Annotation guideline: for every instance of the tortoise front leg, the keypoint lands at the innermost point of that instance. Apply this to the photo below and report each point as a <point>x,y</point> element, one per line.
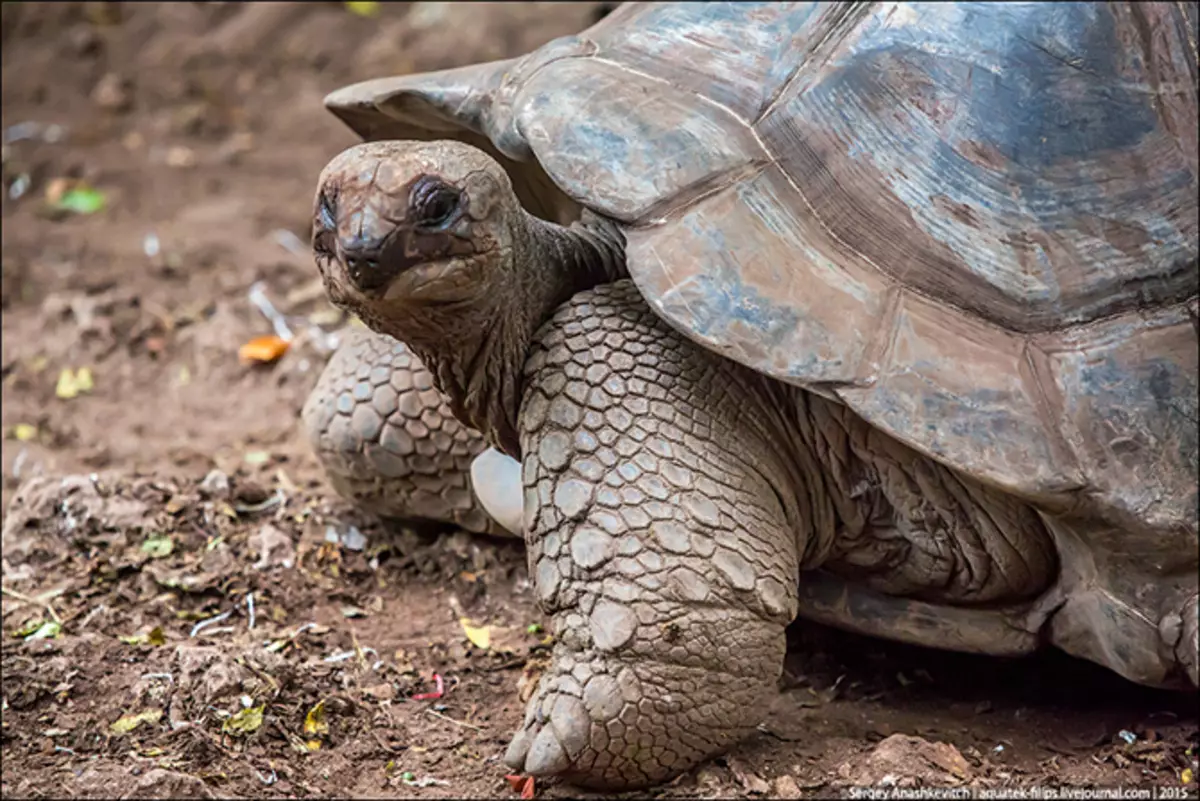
<point>658,542</point>
<point>387,440</point>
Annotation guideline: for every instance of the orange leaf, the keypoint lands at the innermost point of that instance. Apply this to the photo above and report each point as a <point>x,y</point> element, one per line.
<point>521,784</point>
<point>263,349</point>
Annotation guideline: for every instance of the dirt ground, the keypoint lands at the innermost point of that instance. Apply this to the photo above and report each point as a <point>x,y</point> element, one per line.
<point>190,497</point>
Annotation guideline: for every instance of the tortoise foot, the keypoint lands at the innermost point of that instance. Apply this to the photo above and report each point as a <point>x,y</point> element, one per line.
<point>619,724</point>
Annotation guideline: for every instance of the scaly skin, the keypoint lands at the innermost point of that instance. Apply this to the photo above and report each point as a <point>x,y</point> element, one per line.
<point>387,439</point>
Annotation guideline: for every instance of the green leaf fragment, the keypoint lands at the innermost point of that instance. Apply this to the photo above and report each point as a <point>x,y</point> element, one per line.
<point>47,631</point>
<point>81,200</point>
<point>153,637</point>
<point>158,547</point>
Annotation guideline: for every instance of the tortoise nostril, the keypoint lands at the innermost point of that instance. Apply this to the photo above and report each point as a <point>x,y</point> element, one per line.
<point>366,273</point>
<point>361,264</point>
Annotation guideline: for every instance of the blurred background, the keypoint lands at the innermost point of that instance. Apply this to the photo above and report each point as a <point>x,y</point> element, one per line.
<point>159,161</point>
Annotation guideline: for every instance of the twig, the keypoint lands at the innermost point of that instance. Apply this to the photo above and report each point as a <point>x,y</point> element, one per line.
<point>166,676</point>
<point>210,621</point>
<point>91,614</point>
<point>267,780</point>
<point>32,601</point>
<point>449,719</point>
<point>258,297</point>
<point>250,608</point>
<point>253,508</point>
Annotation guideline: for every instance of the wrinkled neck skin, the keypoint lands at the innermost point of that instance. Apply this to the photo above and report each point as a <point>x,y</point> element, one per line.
<point>477,349</point>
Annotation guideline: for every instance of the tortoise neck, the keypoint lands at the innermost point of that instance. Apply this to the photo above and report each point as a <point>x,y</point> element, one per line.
<point>478,363</point>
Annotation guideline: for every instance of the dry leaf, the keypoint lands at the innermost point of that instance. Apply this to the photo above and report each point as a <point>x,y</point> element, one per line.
<point>480,636</point>
<point>246,721</point>
<point>256,457</point>
<point>24,432</point>
<point>315,725</point>
<point>521,784</point>
<point>72,383</point>
<point>127,723</point>
<point>263,350</point>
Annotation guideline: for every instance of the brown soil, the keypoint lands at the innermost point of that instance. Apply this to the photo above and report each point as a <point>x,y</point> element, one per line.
<point>202,124</point>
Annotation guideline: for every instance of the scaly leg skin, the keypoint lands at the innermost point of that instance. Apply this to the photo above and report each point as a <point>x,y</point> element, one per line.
<point>387,439</point>
<point>657,540</point>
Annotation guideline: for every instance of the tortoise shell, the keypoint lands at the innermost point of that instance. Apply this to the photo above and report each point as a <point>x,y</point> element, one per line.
<point>973,223</point>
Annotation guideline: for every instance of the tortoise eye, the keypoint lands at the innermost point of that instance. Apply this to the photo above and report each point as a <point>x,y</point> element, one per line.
<point>325,212</point>
<point>433,202</point>
<point>324,227</point>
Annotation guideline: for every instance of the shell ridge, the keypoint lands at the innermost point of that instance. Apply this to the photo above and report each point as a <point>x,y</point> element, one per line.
<point>840,24</point>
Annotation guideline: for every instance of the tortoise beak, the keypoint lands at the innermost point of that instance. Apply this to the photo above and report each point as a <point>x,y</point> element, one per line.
<point>372,264</point>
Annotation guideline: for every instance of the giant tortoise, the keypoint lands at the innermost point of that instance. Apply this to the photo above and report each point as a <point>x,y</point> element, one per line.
<point>881,314</point>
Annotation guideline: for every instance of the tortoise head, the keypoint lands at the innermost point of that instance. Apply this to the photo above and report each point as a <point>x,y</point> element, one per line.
<point>401,225</point>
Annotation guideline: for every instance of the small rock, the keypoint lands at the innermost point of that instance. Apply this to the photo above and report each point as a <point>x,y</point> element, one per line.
<point>275,548</point>
<point>233,147</point>
<point>113,93</point>
<point>251,493</point>
<point>786,787</point>
<point>750,781</point>
<point>180,156</point>
<point>353,539</point>
<point>906,761</point>
<point>215,485</point>
<point>380,692</point>
<point>162,783</point>
<point>85,41</point>
<point>189,119</point>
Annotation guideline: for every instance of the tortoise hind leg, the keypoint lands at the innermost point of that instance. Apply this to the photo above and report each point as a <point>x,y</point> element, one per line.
<point>1182,629</point>
<point>387,440</point>
<point>1133,612</point>
<point>850,605</point>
